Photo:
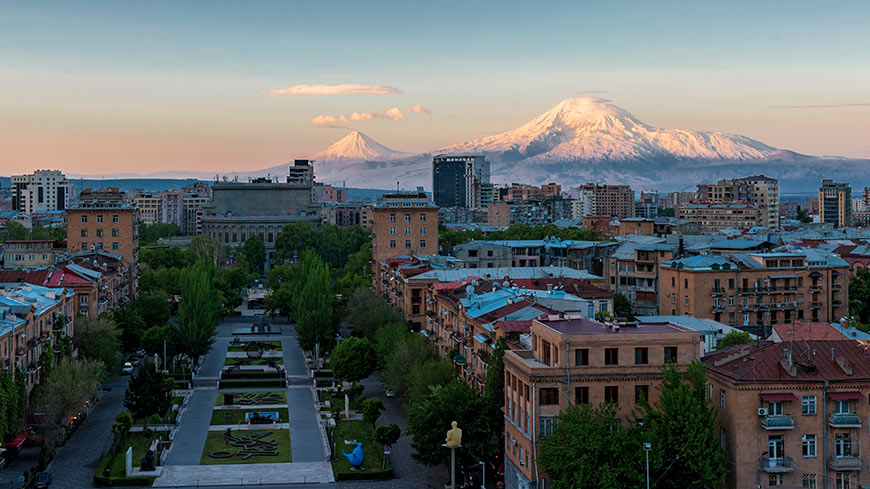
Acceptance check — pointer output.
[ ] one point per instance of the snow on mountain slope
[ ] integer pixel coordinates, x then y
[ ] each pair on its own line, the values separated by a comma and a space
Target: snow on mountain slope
593, 129
356, 146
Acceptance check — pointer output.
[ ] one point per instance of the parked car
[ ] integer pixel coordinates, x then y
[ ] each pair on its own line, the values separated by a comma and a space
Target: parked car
389, 393
128, 368
43, 480
135, 362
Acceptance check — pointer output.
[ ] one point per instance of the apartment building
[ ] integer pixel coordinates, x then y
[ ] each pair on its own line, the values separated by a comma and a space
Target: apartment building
633, 271
461, 181
759, 191
344, 214
34, 253
835, 203
792, 413
324, 192
40, 191
606, 200
530, 212
713, 217
404, 223
581, 361
150, 208
754, 291
301, 172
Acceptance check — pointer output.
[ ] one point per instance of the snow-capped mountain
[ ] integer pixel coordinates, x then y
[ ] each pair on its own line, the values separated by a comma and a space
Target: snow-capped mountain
356, 146
593, 129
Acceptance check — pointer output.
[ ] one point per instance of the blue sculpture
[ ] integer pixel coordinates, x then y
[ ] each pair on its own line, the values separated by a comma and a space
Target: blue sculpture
356, 457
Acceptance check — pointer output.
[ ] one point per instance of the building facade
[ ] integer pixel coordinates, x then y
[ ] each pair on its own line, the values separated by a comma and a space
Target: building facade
835, 203
461, 181
30, 254
404, 224
606, 200
713, 217
759, 191
40, 191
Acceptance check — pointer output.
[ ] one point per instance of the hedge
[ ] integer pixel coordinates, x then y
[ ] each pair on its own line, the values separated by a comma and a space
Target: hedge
235, 384
103, 481
240, 374
364, 475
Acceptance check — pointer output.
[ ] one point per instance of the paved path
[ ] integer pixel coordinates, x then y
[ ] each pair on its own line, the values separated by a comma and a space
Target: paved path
305, 440
252, 474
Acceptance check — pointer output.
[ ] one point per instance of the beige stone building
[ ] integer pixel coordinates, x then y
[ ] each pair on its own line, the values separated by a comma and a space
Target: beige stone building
712, 217
404, 224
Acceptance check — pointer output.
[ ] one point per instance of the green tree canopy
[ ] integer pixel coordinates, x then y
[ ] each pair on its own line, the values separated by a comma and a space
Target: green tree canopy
150, 233
65, 391
424, 378
622, 307
312, 303
516, 231
254, 251
198, 311
409, 353
153, 307
131, 326
99, 340
371, 410
366, 311
353, 359
733, 338
859, 297
148, 393
155, 337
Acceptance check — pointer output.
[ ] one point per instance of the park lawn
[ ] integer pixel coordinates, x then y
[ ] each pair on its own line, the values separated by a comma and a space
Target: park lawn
214, 442
254, 361
356, 430
338, 400
218, 416
140, 444
275, 343
167, 418
282, 396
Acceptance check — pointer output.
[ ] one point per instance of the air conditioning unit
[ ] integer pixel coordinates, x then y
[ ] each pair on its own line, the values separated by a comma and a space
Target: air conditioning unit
767, 313
762, 411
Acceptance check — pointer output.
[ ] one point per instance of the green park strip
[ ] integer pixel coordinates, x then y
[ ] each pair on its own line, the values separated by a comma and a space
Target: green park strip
237, 416
357, 430
254, 398
241, 347
253, 361
116, 462
246, 447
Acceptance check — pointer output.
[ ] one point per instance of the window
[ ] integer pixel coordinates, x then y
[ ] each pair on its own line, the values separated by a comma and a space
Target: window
774, 408
686, 283
670, 354
407, 243
99, 219
84, 219
422, 230
841, 407
731, 300
843, 445
84, 246
422, 243
115, 245
392, 218
83, 300
611, 393
687, 300
84, 233
581, 357
99, 233
673, 282
407, 217
808, 405
407, 231
774, 479
549, 396
392, 230
114, 232
808, 445
548, 424
730, 283
844, 481
581, 395
809, 481
721, 399
641, 393
422, 217
392, 244
115, 218
611, 356
641, 356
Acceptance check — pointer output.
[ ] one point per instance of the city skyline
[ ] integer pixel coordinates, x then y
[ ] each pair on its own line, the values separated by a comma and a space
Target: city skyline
102, 88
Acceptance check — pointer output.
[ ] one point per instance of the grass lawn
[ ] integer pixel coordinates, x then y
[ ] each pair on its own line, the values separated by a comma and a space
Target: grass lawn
253, 361
221, 416
338, 400
167, 418
281, 396
140, 444
359, 431
276, 344
214, 442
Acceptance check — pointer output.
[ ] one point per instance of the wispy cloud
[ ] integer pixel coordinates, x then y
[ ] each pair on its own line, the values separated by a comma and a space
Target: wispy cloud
340, 121
822, 106
345, 89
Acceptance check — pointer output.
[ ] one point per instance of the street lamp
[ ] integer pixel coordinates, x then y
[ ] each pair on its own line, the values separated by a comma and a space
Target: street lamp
646, 448
482, 477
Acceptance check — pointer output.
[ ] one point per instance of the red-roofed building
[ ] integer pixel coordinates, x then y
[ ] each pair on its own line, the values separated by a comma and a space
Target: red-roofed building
85, 289
793, 412
805, 332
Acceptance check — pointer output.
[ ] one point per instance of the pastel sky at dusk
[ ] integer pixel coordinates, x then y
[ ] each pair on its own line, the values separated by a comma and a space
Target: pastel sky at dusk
98, 87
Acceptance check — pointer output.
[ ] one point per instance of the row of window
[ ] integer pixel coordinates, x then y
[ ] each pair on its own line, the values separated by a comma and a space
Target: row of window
115, 233
99, 218
408, 230
811, 481
408, 243
408, 217
549, 396
611, 355
30, 257
99, 246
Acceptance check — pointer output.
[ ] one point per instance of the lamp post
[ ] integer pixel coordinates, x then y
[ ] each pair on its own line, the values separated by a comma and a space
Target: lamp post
482, 477
646, 448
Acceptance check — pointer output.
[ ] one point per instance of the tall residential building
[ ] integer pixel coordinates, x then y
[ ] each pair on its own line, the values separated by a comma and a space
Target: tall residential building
404, 224
606, 200
301, 172
40, 191
866, 196
105, 220
150, 208
712, 217
758, 190
581, 361
835, 203
461, 181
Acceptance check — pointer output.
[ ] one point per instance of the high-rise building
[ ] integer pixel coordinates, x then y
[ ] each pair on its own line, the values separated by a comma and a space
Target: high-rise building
835, 203
40, 191
404, 224
461, 181
606, 200
760, 191
301, 172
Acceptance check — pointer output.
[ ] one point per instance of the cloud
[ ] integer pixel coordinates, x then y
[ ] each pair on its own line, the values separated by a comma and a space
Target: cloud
822, 106
340, 121
590, 92
418, 109
345, 89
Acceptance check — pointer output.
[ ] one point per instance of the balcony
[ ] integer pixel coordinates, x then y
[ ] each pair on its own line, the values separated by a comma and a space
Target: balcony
836, 303
844, 463
845, 420
815, 288
718, 307
717, 291
836, 286
777, 465
781, 422
816, 305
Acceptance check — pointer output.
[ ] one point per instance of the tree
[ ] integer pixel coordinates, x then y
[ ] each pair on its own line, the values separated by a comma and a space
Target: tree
683, 425
366, 312
294, 239
371, 410
387, 435
157, 337
411, 352
356, 273
206, 247
98, 340
494, 386
15, 231
150, 233
154, 308
429, 419
422, 379
254, 251
859, 296
11, 414
65, 391
733, 338
120, 428
622, 307
387, 339
590, 448
665, 212
312, 304
198, 311
803, 216
353, 359
148, 393
131, 325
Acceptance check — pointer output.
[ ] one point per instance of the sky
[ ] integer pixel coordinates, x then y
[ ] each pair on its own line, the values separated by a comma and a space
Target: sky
101, 87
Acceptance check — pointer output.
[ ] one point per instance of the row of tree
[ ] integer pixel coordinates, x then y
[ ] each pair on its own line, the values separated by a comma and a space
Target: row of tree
516, 231
16, 231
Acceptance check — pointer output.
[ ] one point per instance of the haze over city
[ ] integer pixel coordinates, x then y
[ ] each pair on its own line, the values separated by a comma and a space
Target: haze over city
111, 87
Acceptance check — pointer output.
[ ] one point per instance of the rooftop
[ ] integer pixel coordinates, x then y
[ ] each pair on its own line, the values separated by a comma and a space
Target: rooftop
590, 326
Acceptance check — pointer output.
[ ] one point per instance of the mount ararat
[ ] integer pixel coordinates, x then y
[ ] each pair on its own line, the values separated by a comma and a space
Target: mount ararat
583, 140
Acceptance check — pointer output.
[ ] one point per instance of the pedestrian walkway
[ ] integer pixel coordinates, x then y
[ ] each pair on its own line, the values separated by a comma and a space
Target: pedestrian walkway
242, 475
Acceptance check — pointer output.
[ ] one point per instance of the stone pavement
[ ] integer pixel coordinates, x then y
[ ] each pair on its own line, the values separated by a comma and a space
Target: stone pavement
251, 474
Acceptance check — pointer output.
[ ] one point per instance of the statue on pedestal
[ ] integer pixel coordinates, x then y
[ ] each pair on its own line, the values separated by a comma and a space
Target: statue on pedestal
454, 436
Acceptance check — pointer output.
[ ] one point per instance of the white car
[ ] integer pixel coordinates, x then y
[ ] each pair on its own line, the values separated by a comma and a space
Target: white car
128, 368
